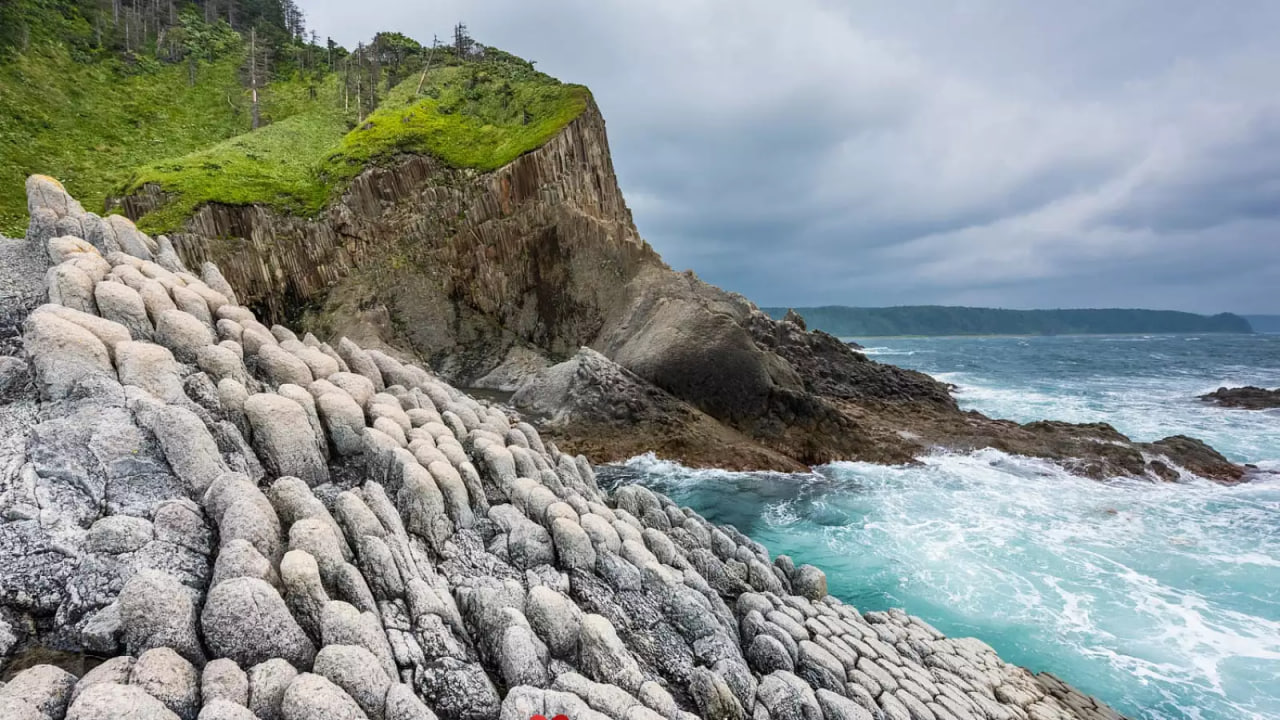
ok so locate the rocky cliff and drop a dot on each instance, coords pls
(205, 517)
(491, 278)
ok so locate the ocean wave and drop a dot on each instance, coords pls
(1156, 597)
(889, 351)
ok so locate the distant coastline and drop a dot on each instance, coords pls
(1264, 323)
(939, 320)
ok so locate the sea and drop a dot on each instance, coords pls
(1161, 599)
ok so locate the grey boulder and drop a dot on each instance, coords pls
(246, 620)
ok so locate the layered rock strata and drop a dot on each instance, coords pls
(493, 278)
(212, 519)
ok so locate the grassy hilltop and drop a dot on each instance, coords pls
(108, 109)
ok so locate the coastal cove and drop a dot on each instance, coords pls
(1160, 599)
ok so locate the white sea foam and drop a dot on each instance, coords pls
(1157, 597)
(1162, 599)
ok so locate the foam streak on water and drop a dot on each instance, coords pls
(1146, 386)
(1163, 600)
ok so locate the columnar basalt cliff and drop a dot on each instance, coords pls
(492, 278)
(205, 517)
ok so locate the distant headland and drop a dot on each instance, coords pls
(945, 320)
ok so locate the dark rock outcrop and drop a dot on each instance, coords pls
(453, 565)
(1247, 397)
(492, 278)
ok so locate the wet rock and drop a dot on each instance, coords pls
(1248, 397)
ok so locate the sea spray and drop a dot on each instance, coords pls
(1163, 600)
(1147, 387)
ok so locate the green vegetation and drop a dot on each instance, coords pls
(111, 97)
(274, 165)
(479, 114)
(85, 102)
(84, 123)
(942, 320)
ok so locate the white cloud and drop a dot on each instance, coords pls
(874, 153)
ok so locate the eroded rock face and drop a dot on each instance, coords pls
(1247, 398)
(527, 264)
(404, 552)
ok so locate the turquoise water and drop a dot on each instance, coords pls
(1163, 600)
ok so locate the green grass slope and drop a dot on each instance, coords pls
(88, 115)
(479, 114)
(88, 123)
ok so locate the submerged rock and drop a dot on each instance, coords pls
(1247, 398)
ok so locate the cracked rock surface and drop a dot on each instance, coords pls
(202, 517)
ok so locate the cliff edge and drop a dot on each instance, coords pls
(205, 518)
(493, 277)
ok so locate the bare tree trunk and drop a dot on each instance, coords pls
(425, 68)
(253, 76)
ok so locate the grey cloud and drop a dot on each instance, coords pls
(1101, 152)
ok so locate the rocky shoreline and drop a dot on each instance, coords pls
(510, 280)
(202, 517)
(1245, 398)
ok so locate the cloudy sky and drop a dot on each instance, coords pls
(1091, 153)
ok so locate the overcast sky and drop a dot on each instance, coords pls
(1085, 153)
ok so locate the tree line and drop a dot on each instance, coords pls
(272, 35)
